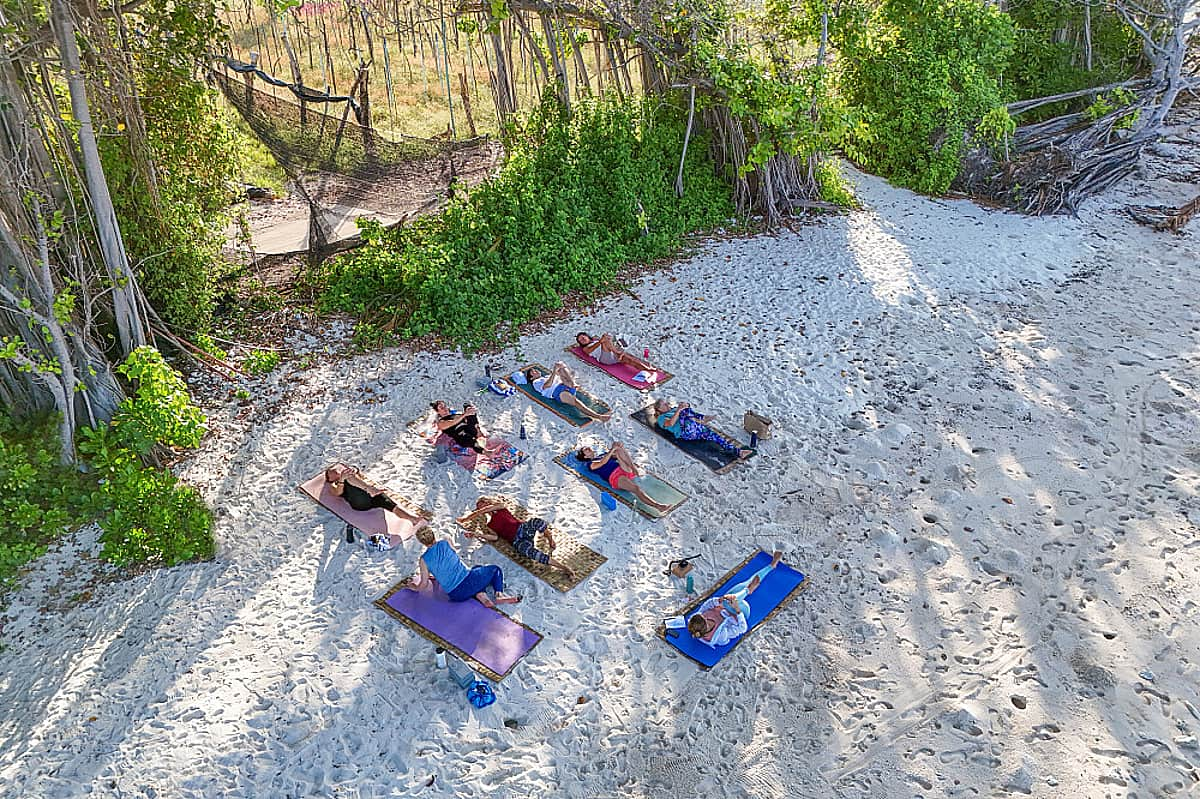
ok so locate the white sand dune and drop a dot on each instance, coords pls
(987, 460)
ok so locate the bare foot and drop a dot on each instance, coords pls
(501, 599)
(421, 522)
(660, 506)
(745, 453)
(775, 560)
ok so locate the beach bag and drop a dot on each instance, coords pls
(480, 694)
(501, 387)
(758, 424)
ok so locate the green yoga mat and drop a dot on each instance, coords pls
(573, 416)
(658, 489)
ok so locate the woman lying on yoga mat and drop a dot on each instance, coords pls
(463, 427)
(618, 469)
(440, 562)
(346, 482)
(721, 619)
(685, 424)
(608, 352)
(502, 524)
(560, 386)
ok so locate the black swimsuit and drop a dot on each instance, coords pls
(360, 499)
(464, 432)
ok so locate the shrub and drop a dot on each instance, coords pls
(261, 362)
(39, 498)
(919, 75)
(579, 196)
(149, 517)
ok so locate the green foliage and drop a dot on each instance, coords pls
(261, 362)
(1109, 102)
(39, 498)
(832, 184)
(578, 197)
(149, 517)
(1048, 56)
(995, 128)
(919, 74)
(172, 223)
(161, 412)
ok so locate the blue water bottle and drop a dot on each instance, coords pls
(754, 441)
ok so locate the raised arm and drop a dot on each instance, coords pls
(491, 507)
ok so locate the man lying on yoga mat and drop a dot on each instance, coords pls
(608, 352)
(346, 482)
(685, 424)
(721, 619)
(463, 427)
(618, 469)
(440, 562)
(502, 524)
(560, 386)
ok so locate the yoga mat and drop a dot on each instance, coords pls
(487, 639)
(582, 560)
(489, 466)
(373, 521)
(654, 487)
(706, 452)
(772, 595)
(573, 416)
(622, 372)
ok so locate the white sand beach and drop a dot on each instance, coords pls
(987, 461)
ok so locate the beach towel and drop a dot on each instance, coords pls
(502, 458)
(654, 487)
(485, 638)
(572, 415)
(706, 452)
(623, 372)
(375, 521)
(774, 593)
(582, 560)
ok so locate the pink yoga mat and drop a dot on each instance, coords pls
(371, 522)
(484, 637)
(621, 371)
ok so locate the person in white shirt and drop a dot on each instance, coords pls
(560, 386)
(720, 620)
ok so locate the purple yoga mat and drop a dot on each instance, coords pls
(479, 634)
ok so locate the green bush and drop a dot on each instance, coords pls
(919, 74)
(149, 517)
(579, 196)
(39, 498)
(261, 362)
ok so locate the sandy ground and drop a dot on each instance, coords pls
(987, 461)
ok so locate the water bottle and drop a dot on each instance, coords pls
(645, 353)
(487, 370)
(691, 585)
(439, 656)
(754, 441)
(523, 435)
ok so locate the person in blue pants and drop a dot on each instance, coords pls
(440, 562)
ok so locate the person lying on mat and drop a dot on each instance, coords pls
(346, 482)
(501, 523)
(618, 469)
(721, 619)
(560, 386)
(440, 562)
(687, 425)
(608, 352)
(462, 427)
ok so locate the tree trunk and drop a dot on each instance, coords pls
(130, 324)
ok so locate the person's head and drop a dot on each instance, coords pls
(335, 473)
(586, 454)
(661, 406)
(697, 626)
(440, 407)
(534, 373)
(425, 536)
(481, 502)
(582, 339)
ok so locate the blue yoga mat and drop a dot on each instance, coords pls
(778, 587)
